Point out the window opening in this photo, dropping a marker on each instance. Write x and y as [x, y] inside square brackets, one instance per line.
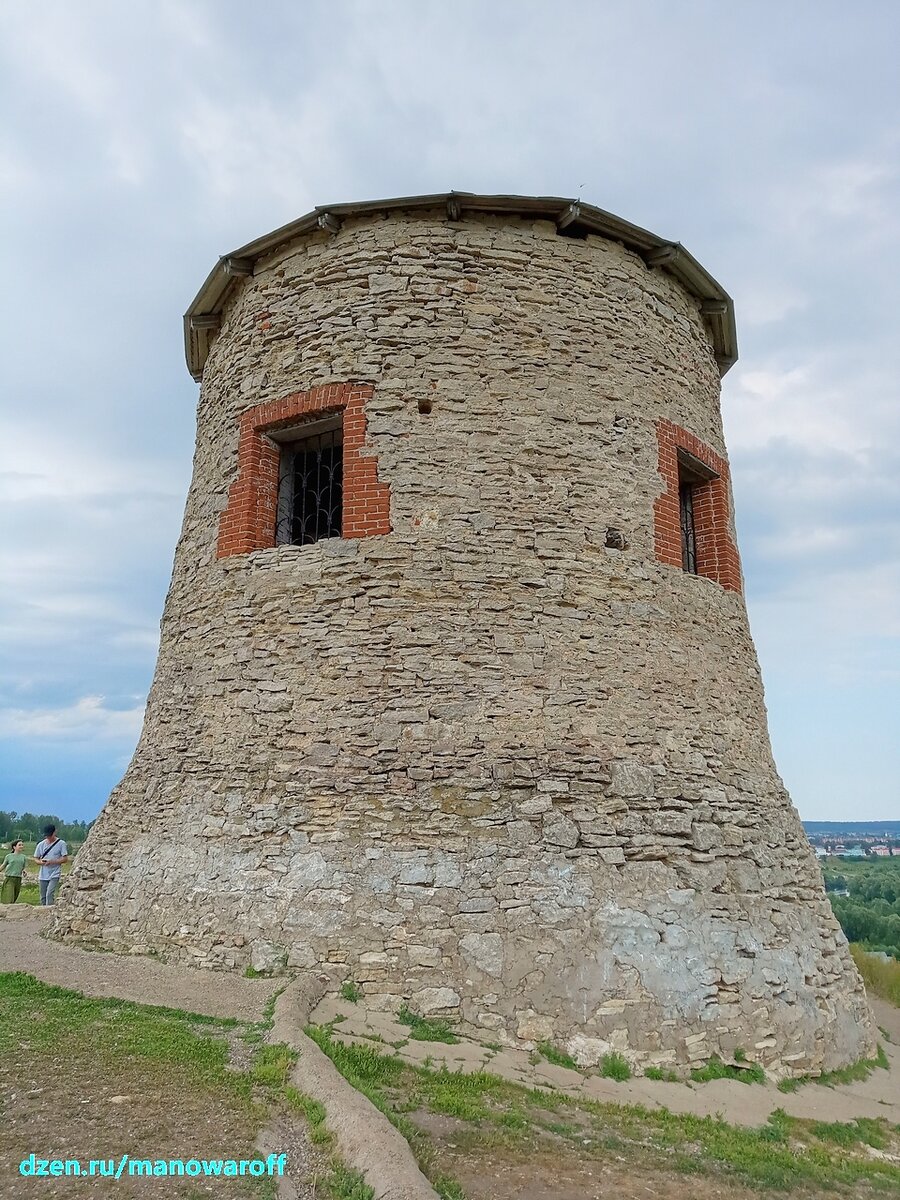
[688, 533]
[310, 483]
[693, 475]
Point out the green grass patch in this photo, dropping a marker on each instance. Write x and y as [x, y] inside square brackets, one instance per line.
[350, 991]
[716, 1069]
[782, 1155]
[271, 1069]
[557, 1057]
[426, 1029]
[447, 1188]
[787, 1086]
[108, 1030]
[881, 978]
[346, 1184]
[661, 1076]
[313, 1111]
[614, 1066]
[179, 1050]
[842, 1133]
[272, 1065]
[855, 1073]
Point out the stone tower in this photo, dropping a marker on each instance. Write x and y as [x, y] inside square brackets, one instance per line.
[456, 692]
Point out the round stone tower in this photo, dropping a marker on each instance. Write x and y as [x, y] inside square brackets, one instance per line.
[456, 695]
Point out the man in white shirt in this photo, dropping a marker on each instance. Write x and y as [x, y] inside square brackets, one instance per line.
[50, 853]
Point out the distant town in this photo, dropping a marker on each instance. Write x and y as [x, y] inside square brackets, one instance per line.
[854, 839]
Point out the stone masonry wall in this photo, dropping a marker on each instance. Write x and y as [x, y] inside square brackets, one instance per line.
[485, 763]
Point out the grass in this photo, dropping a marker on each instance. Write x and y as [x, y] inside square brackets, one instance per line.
[179, 1051]
[716, 1069]
[783, 1154]
[172, 1061]
[557, 1057]
[349, 991]
[347, 1184]
[662, 1076]
[614, 1066]
[881, 978]
[447, 1188]
[272, 1065]
[271, 1069]
[855, 1073]
[426, 1029]
[840, 1133]
[106, 1030]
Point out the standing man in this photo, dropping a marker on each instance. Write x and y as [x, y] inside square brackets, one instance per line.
[50, 853]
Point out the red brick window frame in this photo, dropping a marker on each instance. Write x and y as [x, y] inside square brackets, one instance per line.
[249, 520]
[716, 555]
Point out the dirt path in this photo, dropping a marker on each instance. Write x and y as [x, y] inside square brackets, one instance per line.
[218, 993]
[142, 979]
[485, 1176]
[84, 1113]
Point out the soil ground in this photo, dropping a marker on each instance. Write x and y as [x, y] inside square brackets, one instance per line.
[93, 1079]
[542, 1174]
[723, 1139]
[88, 1109]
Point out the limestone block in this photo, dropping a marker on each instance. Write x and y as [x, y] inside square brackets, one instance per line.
[535, 805]
[631, 778]
[706, 836]
[588, 1051]
[267, 956]
[485, 951]
[532, 1027]
[560, 831]
[435, 1000]
[416, 873]
[424, 956]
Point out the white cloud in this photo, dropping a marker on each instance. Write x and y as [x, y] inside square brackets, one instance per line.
[767, 300]
[151, 136]
[86, 719]
[856, 188]
[60, 50]
[799, 404]
[832, 626]
[793, 543]
[41, 462]
[233, 141]
[16, 174]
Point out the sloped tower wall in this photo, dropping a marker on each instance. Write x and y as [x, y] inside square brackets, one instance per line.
[507, 761]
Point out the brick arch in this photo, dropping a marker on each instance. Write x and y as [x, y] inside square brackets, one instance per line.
[248, 521]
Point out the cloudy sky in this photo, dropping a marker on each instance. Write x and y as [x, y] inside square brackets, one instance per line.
[142, 140]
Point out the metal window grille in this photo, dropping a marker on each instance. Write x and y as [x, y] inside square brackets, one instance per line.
[310, 494]
[688, 535]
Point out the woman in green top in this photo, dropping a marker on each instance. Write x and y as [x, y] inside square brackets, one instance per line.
[13, 865]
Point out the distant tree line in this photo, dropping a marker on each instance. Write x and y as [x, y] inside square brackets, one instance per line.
[28, 826]
[870, 914]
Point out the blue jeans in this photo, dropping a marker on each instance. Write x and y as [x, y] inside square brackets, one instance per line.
[48, 889]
